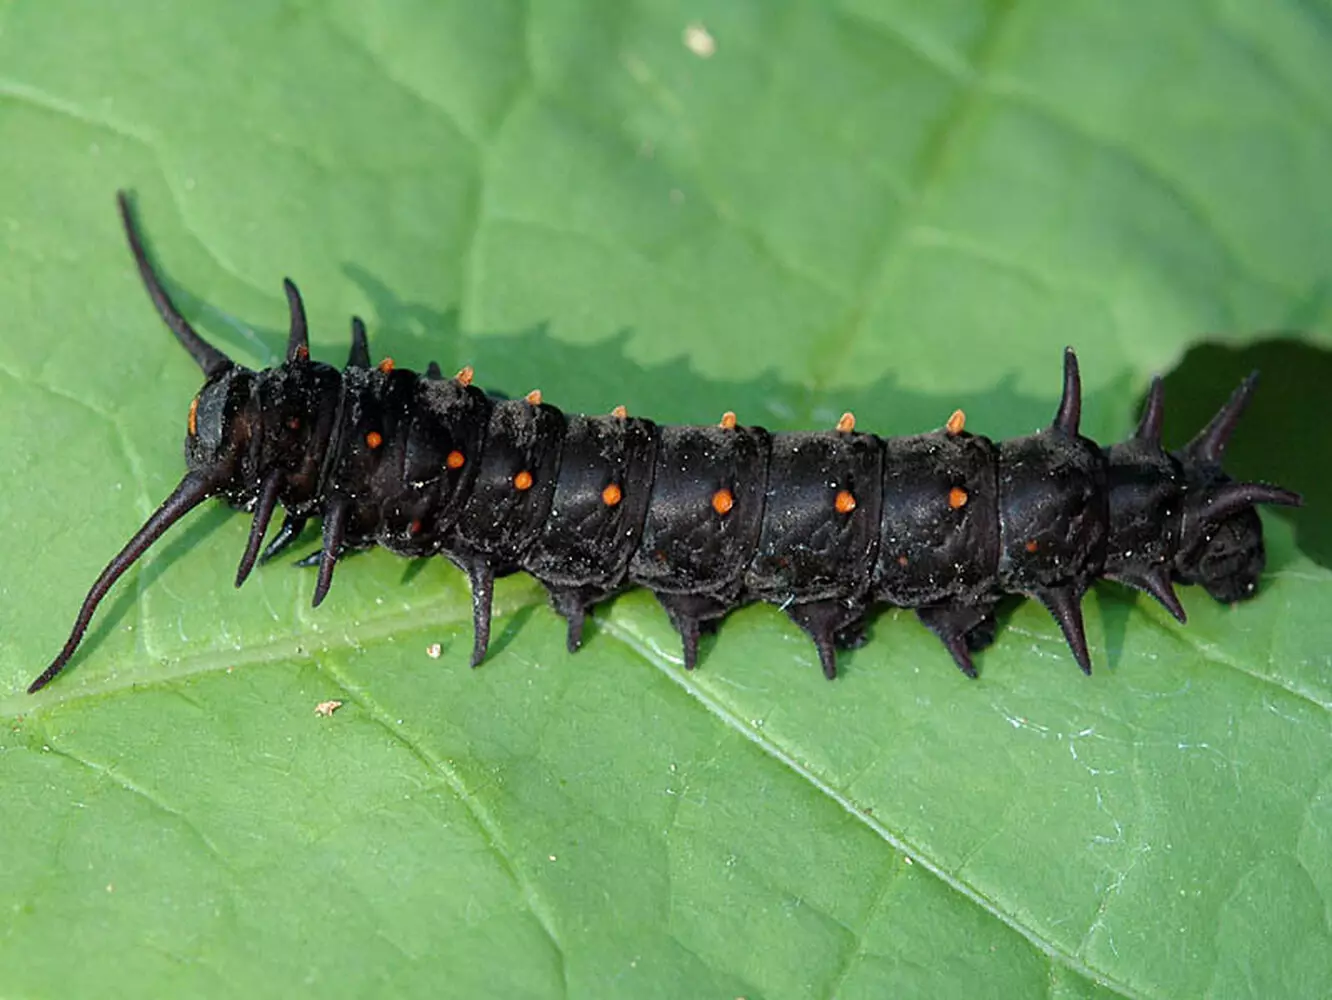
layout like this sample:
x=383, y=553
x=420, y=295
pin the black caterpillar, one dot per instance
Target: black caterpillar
x=824, y=524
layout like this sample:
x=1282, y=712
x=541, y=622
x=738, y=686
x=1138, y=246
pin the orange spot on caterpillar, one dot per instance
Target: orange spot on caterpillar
x=1032, y=545
x=465, y=375
x=294, y=423
x=534, y=397
x=956, y=423
x=523, y=481
x=386, y=365
x=193, y=422
x=455, y=460
x=848, y=422
x=415, y=527
x=722, y=501
x=957, y=497
x=374, y=439
x=902, y=560
x=611, y=495
x=728, y=421
x=302, y=353
x=845, y=502
x=619, y=412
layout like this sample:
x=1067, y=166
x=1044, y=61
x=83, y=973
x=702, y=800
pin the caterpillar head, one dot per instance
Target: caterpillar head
x=1227, y=559
x=1178, y=517
x=218, y=428
x=1221, y=537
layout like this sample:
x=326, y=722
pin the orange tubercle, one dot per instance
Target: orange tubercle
x=193, y=422
x=534, y=397
x=845, y=502
x=611, y=495
x=374, y=439
x=302, y=353
x=722, y=501
x=957, y=497
x=728, y=421
x=1032, y=545
x=386, y=365
x=523, y=481
x=848, y=422
x=620, y=412
x=465, y=375
x=956, y=423
x=455, y=460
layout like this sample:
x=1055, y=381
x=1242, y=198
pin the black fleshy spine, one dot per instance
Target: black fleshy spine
x=825, y=525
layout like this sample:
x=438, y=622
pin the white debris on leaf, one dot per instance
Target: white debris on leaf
x=326, y=708
x=699, y=41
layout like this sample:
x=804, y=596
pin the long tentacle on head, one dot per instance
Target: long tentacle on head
x=192, y=491
x=208, y=357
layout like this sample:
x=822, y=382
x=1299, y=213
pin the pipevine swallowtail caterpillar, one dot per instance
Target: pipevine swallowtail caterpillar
x=825, y=524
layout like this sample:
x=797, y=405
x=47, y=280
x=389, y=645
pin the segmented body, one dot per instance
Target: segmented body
x=824, y=524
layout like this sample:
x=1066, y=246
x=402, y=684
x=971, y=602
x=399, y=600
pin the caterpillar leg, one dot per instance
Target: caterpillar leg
x=1065, y=606
x=982, y=635
x=572, y=606
x=336, y=516
x=691, y=614
x=853, y=634
x=481, y=575
x=962, y=628
x=573, y=603
x=313, y=559
x=283, y=540
x=263, y=513
x=826, y=622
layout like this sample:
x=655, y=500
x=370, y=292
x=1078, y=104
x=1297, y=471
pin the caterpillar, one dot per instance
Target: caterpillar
x=824, y=524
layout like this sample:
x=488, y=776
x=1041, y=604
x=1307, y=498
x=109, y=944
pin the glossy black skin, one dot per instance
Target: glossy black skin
x=1045, y=515
x=945, y=522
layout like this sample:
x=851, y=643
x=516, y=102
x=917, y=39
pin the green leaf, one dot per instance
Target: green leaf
x=783, y=210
